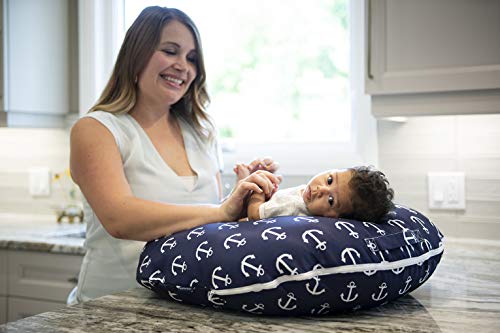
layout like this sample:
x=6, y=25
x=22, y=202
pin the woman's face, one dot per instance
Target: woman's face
x=171, y=69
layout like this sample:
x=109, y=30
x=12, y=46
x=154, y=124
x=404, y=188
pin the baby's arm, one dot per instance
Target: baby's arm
x=254, y=203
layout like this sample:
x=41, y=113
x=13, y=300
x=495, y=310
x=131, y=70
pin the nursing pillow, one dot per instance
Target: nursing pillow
x=294, y=265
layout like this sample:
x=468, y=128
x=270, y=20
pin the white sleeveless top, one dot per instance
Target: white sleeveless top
x=110, y=264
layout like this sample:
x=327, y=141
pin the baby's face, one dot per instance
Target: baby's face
x=328, y=194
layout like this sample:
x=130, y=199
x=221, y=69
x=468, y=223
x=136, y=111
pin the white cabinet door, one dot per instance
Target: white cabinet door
x=428, y=46
x=43, y=276
x=20, y=308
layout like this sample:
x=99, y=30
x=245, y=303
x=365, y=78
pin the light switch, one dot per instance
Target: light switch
x=40, y=181
x=446, y=190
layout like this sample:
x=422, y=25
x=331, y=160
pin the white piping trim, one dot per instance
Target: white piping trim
x=382, y=266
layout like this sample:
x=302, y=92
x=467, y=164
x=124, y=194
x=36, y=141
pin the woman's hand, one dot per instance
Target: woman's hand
x=266, y=163
x=260, y=181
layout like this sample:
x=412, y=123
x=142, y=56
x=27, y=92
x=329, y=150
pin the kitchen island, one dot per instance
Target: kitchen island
x=463, y=295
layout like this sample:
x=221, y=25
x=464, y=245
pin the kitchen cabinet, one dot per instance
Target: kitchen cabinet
x=431, y=56
x=36, y=282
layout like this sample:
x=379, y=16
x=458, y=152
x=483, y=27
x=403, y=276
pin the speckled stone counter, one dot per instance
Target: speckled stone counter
x=463, y=295
x=40, y=233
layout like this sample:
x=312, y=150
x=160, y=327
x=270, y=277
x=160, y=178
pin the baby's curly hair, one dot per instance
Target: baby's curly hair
x=371, y=195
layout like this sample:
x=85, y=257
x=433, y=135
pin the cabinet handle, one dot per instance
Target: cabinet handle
x=73, y=280
x=369, y=40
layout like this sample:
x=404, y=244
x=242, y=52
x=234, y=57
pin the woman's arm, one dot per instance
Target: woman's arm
x=256, y=199
x=96, y=166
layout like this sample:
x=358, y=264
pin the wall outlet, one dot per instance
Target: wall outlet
x=446, y=190
x=40, y=182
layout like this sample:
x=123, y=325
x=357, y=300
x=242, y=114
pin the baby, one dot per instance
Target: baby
x=360, y=193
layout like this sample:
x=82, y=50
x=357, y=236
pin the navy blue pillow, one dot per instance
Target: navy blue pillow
x=294, y=265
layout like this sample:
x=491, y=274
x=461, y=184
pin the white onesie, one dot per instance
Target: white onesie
x=286, y=202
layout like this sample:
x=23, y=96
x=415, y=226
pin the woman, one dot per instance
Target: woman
x=145, y=157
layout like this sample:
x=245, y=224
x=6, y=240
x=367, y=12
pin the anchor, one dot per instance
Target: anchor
x=244, y=263
x=171, y=243
x=370, y=273
x=144, y=263
x=306, y=218
x=370, y=243
x=239, y=242
x=348, y=226
x=214, y=299
x=412, y=237
x=192, y=283
x=227, y=279
x=349, y=251
x=407, y=250
x=183, y=267
x=171, y=294
x=408, y=209
x=146, y=284
x=427, y=244
x=314, y=290
x=281, y=261
x=347, y=299
x=265, y=221
x=397, y=271
x=382, y=256
x=421, y=280
x=379, y=297
x=208, y=252
x=197, y=232
x=255, y=310
x=319, y=244
x=286, y=306
x=279, y=236
x=153, y=278
x=379, y=231
x=408, y=286
x=228, y=225
x=416, y=219
x=397, y=223
x=323, y=306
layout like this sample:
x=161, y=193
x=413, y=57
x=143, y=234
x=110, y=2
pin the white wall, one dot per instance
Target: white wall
x=468, y=143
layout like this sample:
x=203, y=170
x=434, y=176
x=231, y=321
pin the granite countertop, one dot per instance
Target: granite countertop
x=463, y=295
x=40, y=233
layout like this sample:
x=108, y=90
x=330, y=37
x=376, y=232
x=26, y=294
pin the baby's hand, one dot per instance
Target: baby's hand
x=241, y=170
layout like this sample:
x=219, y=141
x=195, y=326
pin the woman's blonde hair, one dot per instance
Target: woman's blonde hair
x=141, y=41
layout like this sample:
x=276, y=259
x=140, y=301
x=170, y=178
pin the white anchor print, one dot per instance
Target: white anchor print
x=379, y=231
x=280, y=262
x=147, y=284
x=324, y=306
x=306, y=218
x=421, y=280
x=153, y=278
x=259, y=270
x=255, y=310
x=370, y=273
x=197, y=232
x=200, y=248
x=279, y=236
x=171, y=243
x=314, y=291
x=382, y=259
x=370, y=243
x=214, y=299
x=348, y=226
x=381, y=294
x=398, y=270
x=407, y=286
x=397, y=223
x=286, y=306
x=427, y=244
x=416, y=219
x=145, y=263
x=320, y=245
x=408, y=209
x=175, y=265
x=228, y=225
x=193, y=282
x=407, y=247
x=265, y=221
x=349, y=297
x=239, y=242
x=227, y=280
x=173, y=296
x=349, y=251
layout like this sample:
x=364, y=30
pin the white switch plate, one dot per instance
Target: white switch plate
x=446, y=190
x=40, y=181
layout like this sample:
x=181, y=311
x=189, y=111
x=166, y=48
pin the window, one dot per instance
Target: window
x=281, y=79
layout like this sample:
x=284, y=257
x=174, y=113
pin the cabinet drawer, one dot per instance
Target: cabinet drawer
x=45, y=276
x=20, y=308
x=3, y=310
x=3, y=272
